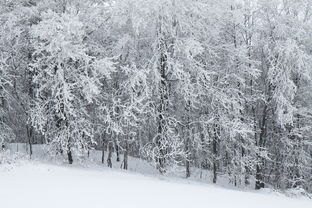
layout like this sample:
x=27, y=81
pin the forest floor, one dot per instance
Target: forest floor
x=36, y=184
x=45, y=182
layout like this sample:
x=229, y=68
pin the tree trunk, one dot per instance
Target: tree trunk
x=69, y=156
x=247, y=173
x=187, y=140
x=110, y=152
x=103, y=154
x=125, y=160
x=117, y=150
x=259, y=174
x=103, y=146
x=187, y=151
x=187, y=167
x=29, y=135
x=164, y=99
x=259, y=178
x=214, y=180
x=215, y=155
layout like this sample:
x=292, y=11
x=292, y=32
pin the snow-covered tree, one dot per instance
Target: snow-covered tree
x=68, y=80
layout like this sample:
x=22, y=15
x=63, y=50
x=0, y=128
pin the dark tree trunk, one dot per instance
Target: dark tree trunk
x=161, y=129
x=215, y=155
x=259, y=178
x=103, y=154
x=70, y=156
x=187, y=140
x=30, y=136
x=187, y=151
x=214, y=180
x=103, y=147
x=247, y=173
x=187, y=168
x=259, y=174
x=163, y=102
x=117, y=151
x=125, y=160
x=110, y=152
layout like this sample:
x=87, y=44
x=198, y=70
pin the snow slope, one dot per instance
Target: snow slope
x=40, y=185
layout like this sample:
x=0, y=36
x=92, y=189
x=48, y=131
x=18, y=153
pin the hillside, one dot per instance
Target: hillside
x=35, y=185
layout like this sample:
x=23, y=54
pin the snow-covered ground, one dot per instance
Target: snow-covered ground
x=92, y=184
x=42, y=185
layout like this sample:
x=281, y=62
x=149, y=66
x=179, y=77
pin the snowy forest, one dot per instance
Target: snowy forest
x=217, y=85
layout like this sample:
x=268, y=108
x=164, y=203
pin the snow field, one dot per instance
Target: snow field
x=40, y=185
